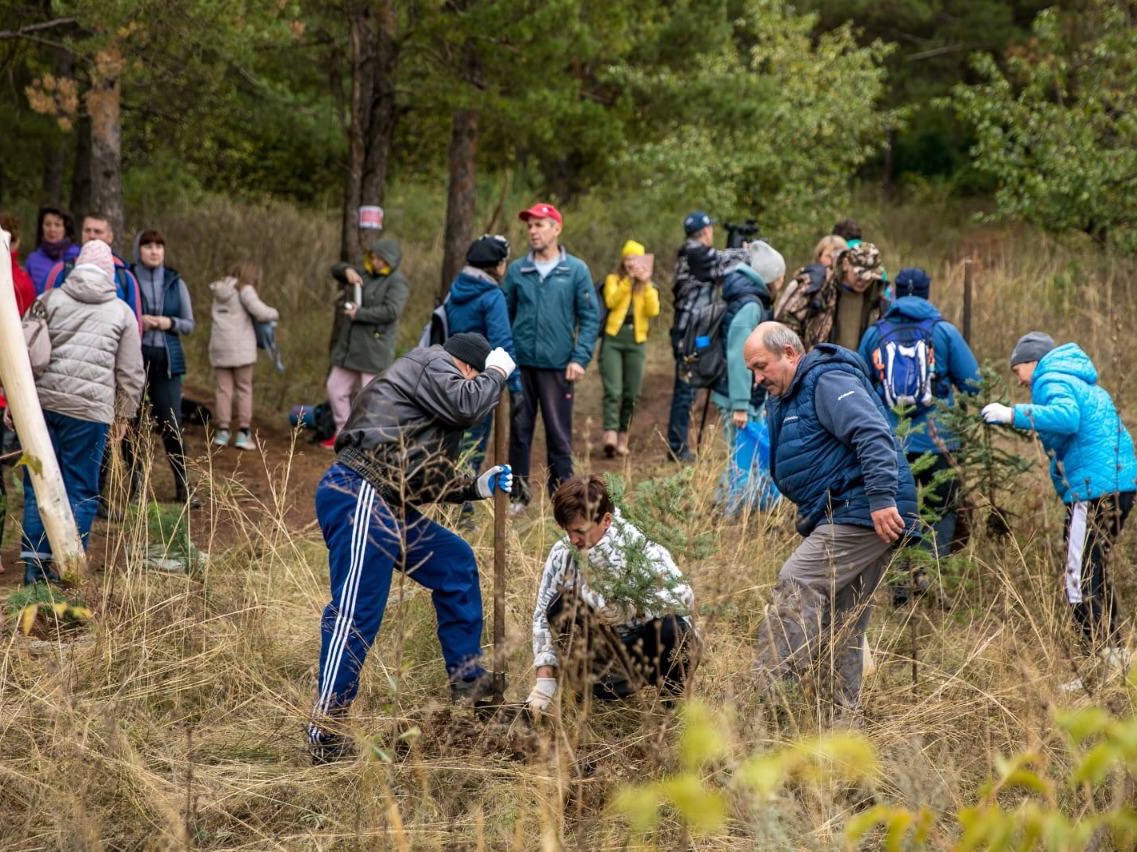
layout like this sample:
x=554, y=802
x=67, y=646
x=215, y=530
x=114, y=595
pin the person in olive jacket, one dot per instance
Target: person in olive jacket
x=555, y=317
x=368, y=308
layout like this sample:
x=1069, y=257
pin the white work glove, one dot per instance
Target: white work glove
x=501, y=360
x=542, y=694
x=996, y=412
x=497, y=478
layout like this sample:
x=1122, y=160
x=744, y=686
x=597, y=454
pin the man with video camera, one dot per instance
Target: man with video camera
x=698, y=267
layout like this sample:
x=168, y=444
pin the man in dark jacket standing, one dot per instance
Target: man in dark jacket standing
x=398, y=450
x=366, y=325
x=833, y=453
x=698, y=267
x=553, y=308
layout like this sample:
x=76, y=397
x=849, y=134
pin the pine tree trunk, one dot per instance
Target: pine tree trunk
x=383, y=112
x=81, y=173
x=55, y=152
x=461, y=194
x=104, y=105
x=361, y=72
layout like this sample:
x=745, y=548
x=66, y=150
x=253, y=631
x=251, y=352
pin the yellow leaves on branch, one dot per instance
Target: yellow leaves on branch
x=55, y=96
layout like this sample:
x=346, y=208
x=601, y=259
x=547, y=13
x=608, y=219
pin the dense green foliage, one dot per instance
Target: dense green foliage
x=763, y=107
x=1056, y=128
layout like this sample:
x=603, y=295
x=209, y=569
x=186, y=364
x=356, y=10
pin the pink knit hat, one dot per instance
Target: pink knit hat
x=97, y=253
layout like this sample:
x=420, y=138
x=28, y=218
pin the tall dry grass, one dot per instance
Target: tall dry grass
x=181, y=724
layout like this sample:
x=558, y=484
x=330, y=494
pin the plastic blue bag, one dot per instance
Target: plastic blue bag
x=747, y=481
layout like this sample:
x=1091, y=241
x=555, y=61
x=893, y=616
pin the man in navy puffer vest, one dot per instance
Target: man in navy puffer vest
x=833, y=453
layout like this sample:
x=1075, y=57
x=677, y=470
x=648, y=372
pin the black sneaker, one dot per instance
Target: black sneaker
x=472, y=693
x=330, y=748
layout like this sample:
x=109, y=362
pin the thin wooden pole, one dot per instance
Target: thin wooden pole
x=967, y=287
x=23, y=401
x=500, y=505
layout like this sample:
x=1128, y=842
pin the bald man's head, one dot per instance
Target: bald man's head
x=772, y=353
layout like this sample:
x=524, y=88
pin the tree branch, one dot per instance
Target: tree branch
x=23, y=32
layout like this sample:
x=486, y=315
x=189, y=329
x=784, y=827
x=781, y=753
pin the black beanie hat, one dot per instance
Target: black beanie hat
x=469, y=346
x=488, y=251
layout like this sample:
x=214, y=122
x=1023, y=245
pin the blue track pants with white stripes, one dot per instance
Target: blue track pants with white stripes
x=366, y=542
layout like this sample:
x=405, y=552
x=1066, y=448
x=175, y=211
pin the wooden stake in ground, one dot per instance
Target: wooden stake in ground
x=20, y=388
x=966, y=300
x=500, y=506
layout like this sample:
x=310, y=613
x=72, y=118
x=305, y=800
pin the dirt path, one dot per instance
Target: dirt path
x=247, y=478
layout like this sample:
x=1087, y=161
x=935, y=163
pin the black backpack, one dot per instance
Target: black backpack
x=701, y=351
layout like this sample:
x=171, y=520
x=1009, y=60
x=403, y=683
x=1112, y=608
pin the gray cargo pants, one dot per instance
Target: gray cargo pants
x=822, y=601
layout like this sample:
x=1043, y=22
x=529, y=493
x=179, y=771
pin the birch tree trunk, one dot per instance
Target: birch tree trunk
x=20, y=388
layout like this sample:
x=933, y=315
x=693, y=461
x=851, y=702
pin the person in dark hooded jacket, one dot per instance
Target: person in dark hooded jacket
x=398, y=451
x=953, y=367
x=370, y=301
x=476, y=304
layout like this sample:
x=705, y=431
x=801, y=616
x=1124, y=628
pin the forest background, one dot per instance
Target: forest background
x=1001, y=132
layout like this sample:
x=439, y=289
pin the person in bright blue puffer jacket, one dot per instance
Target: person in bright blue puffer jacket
x=476, y=304
x=1092, y=466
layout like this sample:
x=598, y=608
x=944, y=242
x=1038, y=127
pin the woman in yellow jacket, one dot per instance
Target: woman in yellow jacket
x=632, y=300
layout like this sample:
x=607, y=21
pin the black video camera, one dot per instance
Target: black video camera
x=737, y=234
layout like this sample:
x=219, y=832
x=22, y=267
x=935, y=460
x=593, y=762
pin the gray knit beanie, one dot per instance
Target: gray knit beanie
x=1031, y=347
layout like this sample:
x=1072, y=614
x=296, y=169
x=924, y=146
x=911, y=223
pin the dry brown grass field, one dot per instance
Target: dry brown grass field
x=179, y=724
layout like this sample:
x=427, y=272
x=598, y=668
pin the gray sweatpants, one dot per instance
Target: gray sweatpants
x=821, y=602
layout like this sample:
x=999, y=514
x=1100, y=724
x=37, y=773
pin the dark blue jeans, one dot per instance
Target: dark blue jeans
x=79, y=447
x=679, y=420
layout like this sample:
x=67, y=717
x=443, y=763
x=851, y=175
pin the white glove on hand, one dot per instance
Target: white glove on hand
x=996, y=412
x=501, y=360
x=497, y=478
x=542, y=694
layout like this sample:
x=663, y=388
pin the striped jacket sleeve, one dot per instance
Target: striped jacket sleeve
x=557, y=566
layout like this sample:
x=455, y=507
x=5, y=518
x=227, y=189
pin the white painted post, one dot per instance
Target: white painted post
x=20, y=388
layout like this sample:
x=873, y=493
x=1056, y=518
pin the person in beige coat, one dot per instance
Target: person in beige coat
x=90, y=388
x=233, y=350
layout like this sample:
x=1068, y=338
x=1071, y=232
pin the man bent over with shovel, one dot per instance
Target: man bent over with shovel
x=398, y=450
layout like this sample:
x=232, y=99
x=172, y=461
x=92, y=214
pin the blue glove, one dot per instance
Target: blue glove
x=497, y=478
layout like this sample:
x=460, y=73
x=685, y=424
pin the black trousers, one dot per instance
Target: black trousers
x=1092, y=528
x=662, y=652
x=551, y=392
x=165, y=398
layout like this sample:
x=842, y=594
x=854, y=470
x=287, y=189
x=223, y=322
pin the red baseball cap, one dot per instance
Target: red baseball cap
x=541, y=210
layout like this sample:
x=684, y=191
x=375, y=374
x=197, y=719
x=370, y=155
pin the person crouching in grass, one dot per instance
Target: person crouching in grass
x=625, y=616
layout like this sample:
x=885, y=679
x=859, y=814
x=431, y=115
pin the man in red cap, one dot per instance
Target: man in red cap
x=555, y=319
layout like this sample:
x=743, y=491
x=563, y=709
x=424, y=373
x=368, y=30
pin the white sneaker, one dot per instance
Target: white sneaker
x=221, y=438
x=245, y=441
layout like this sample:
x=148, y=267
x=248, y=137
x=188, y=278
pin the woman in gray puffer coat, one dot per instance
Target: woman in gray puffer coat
x=89, y=390
x=233, y=349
